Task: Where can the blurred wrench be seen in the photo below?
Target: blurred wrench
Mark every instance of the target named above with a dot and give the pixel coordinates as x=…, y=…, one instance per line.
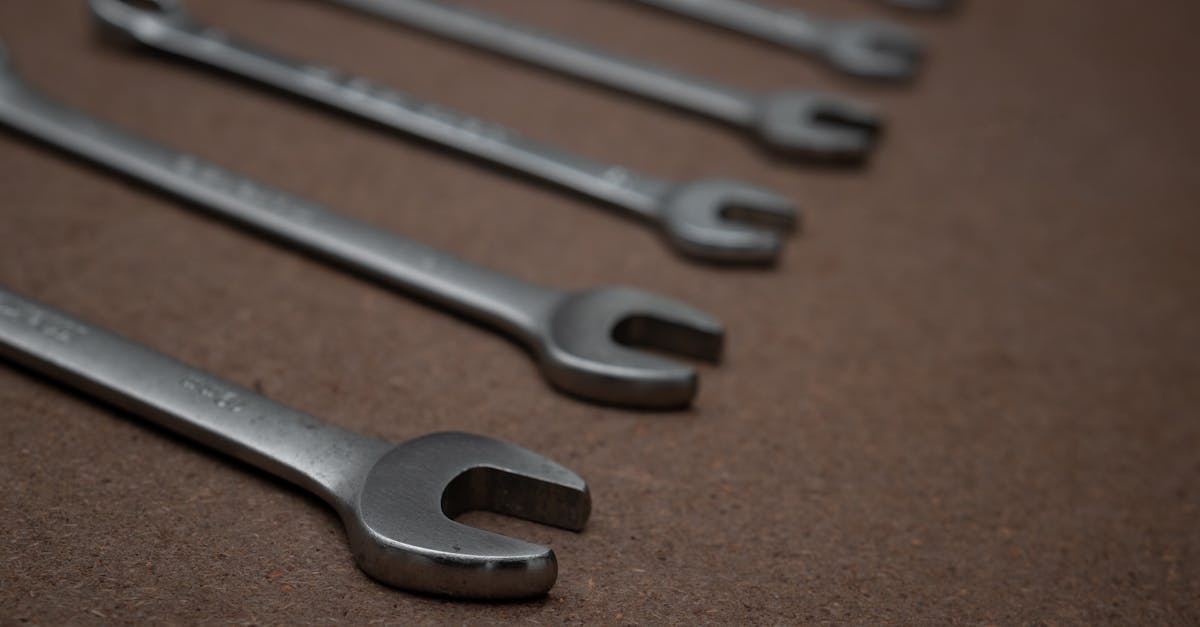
x=580, y=339
x=714, y=220
x=803, y=122
x=869, y=49
x=396, y=501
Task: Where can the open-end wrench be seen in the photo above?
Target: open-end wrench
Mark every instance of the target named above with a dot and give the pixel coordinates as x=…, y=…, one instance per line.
x=866, y=48
x=803, y=122
x=582, y=340
x=715, y=220
x=396, y=500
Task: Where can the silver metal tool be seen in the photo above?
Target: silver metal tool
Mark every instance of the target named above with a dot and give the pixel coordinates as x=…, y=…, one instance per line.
x=804, y=122
x=396, y=500
x=582, y=340
x=714, y=220
x=866, y=48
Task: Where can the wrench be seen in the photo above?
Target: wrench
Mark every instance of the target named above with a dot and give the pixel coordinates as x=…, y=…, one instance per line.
x=865, y=48
x=802, y=122
x=396, y=500
x=581, y=340
x=714, y=220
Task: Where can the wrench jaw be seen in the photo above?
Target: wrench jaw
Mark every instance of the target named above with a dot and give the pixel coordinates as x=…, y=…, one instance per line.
x=819, y=126
x=725, y=221
x=588, y=351
x=874, y=50
x=400, y=525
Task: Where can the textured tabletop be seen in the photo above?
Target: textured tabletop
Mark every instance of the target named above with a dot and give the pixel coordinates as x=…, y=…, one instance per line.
x=967, y=394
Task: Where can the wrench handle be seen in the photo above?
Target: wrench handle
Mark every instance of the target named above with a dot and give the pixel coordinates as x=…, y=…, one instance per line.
x=491, y=297
x=398, y=111
x=781, y=26
x=278, y=439
x=489, y=32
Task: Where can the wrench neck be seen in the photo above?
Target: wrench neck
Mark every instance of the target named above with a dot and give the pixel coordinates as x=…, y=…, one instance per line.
x=516, y=307
x=786, y=27
x=643, y=196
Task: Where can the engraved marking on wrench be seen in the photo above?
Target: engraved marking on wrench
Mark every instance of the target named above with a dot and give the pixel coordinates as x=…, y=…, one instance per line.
x=390, y=101
x=244, y=189
x=53, y=326
x=220, y=395
x=358, y=88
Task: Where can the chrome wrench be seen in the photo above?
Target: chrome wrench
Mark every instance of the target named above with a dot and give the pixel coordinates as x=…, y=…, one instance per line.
x=582, y=340
x=395, y=500
x=865, y=48
x=714, y=220
x=803, y=122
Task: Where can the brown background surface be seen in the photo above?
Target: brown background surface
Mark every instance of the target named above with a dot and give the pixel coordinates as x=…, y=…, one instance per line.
x=968, y=393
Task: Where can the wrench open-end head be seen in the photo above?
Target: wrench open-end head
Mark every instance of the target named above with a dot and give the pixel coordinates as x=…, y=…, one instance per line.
x=586, y=346
x=871, y=49
x=399, y=519
x=818, y=125
x=726, y=221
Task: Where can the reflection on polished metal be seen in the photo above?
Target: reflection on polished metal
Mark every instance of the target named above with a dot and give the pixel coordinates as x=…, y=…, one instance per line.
x=583, y=341
x=869, y=49
x=802, y=122
x=714, y=220
x=396, y=500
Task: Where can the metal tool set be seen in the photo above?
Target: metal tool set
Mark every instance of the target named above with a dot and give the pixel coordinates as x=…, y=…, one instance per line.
x=397, y=501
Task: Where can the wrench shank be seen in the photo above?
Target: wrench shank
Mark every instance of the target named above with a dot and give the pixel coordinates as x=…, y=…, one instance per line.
x=285, y=442
x=399, y=111
x=494, y=298
x=489, y=32
x=784, y=27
